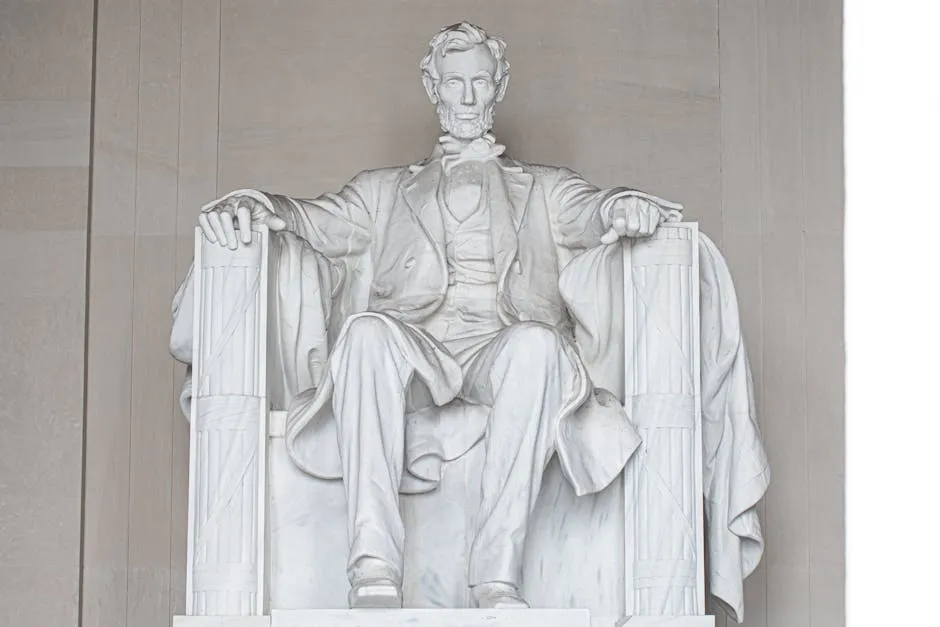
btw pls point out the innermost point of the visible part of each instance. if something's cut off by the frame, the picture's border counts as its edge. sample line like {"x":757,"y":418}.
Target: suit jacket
{"x":384,"y":232}
{"x":386,"y":227}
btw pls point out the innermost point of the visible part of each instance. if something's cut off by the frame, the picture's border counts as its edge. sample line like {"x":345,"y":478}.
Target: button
{"x":409,"y":263}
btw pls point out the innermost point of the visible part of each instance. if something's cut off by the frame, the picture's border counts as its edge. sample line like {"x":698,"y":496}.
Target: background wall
{"x":732,"y":107}
{"x":45,"y":120}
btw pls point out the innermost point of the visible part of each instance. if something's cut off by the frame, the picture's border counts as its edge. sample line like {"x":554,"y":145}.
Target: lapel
{"x":508,"y":185}
{"x":420,"y":192}
{"x":508,"y":188}
{"x":518,"y":186}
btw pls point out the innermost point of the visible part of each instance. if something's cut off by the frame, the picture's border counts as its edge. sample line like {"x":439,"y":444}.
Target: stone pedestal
{"x":431,"y":618}
{"x":665,"y":621}
{"x":439,"y":618}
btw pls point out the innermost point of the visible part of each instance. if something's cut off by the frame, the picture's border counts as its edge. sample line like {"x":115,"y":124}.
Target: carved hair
{"x":458,"y":38}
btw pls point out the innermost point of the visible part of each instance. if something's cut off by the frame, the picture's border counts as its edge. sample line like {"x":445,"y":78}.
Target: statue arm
{"x":586,"y":216}
{"x":582,"y":210}
{"x":334,"y":224}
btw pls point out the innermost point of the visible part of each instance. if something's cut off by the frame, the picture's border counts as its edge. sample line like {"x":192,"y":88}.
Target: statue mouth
{"x":467,"y":116}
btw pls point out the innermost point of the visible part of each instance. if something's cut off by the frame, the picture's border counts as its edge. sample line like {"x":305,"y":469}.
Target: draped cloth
{"x":736,"y":474}
{"x":736,"y":470}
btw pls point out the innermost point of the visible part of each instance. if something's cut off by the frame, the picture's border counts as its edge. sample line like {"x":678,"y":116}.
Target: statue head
{"x":465,"y":74}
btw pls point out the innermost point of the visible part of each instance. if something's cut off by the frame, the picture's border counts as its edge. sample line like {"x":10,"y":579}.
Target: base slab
{"x":667,"y":621}
{"x":439,"y":618}
{"x":221,"y":621}
{"x":431,"y":618}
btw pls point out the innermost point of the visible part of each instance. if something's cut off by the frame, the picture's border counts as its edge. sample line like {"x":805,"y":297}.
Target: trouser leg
{"x":526,"y":376}
{"x":370,"y":376}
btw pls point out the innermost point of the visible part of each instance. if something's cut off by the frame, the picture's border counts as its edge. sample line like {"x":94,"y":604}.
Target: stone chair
{"x":265,"y":538}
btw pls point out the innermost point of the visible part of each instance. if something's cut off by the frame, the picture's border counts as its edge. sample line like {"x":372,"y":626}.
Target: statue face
{"x":466,"y":92}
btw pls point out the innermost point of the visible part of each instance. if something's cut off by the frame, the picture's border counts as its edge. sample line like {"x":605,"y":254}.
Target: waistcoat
{"x":469,"y":308}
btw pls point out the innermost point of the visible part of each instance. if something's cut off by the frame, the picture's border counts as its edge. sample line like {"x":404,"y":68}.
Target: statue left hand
{"x":633,"y":216}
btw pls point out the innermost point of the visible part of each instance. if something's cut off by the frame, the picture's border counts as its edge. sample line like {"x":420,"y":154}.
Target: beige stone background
{"x":733,"y":107}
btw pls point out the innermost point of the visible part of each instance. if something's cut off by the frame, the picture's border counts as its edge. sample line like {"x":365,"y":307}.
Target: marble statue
{"x":457,"y":305}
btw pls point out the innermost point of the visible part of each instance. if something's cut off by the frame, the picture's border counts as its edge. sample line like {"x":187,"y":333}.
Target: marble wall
{"x":45,"y":121}
{"x":732,"y":107}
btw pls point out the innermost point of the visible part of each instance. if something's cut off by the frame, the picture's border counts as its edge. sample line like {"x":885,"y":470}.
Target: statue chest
{"x":461,"y":192}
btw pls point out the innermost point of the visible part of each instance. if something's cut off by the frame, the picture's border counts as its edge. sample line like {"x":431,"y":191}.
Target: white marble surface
{"x":226,"y":535}
{"x":667,"y":621}
{"x":422,"y":312}
{"x":308,"y":547}
{"x":439,"y":618}
{"x":307,"y":530}
{"x":431,"y":618}
{"x":221,"y":621}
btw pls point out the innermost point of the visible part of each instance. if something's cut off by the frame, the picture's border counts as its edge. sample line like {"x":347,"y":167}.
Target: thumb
{"x":610,"y":237}
{"x":275,"y":223}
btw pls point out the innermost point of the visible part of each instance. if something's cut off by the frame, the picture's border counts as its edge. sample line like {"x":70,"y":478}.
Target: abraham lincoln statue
{"x":451,"y":275}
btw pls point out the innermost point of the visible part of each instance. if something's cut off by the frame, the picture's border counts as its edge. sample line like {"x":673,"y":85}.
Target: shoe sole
{"x":375,"y":596}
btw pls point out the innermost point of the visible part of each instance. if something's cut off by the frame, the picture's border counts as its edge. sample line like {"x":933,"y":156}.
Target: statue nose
{"x":469,"y":97}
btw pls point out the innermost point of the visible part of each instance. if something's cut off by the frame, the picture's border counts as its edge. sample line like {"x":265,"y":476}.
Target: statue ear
{"x":501,"y":88}
{"x":429,"y":87}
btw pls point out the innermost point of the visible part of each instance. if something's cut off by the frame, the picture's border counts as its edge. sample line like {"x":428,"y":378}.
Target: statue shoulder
{"x":537,"y":170}
{"x":389,"y":172}
{"x":381,"y":176}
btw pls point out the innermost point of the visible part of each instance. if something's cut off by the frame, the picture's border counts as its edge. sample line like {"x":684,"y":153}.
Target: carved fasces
{"x":663,"y":484}
{"x":226,"y":495}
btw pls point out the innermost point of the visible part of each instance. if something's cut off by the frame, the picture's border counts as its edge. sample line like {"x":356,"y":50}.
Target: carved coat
{"x":389,"y":222}
{"x":384,"y":232}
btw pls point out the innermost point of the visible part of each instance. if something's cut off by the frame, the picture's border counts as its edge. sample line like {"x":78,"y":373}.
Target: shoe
{"x":497,"y":595}
{"x":375,"y":585}
{"x":380,"y":593}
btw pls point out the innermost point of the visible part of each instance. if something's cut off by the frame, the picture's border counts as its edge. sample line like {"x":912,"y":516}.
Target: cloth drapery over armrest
{"x":736,"y":470}
{"x":300,"y":302}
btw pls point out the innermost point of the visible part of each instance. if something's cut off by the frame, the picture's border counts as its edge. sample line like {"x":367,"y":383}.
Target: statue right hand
{"x":220,"y":220}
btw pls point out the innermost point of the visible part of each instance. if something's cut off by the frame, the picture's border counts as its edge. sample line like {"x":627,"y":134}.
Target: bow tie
{"x":479,"y":150}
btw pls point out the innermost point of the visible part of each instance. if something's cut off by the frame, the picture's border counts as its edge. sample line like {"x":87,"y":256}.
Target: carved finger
{"x":217,"y":228}
{"x":244,"y":223}
{"x":653,"y":216}
{"x":656,"y":218}
{"x":644,"y":217}
{"x":229,"y":227}
{"x":633,"y":224}
{"x":206,"y":227}
{"x":619,"y":225}
{"x":659,"y":216}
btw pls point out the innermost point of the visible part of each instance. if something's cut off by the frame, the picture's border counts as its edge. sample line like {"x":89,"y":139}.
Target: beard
{"x":465,"y":129}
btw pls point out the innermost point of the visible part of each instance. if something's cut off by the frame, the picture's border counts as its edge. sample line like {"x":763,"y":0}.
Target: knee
{"x":537,"y":340}
{"x":367,"y":331}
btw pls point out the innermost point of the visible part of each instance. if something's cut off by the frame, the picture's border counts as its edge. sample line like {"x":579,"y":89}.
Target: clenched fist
{"x":636,"y":216}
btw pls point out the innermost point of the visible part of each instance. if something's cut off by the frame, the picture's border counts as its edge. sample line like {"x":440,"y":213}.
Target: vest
{"x":468,"y":316}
